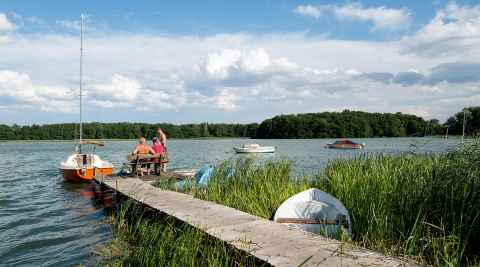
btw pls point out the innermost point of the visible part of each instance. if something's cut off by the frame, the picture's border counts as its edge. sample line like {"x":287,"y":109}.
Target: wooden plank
{"x":133,"y":157}
{"x":275,"y":243}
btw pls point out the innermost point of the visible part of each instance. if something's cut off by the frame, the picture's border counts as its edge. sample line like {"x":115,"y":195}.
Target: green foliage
{"x":311,"y":125}
{"x":124,"y":130}
{"x":472,"y":122}
{"x":142,"y":239}
{"x":424,"y":206}
{"x":420,"y":205}
{"x":256,"y":188}
{"x":346,"y":124}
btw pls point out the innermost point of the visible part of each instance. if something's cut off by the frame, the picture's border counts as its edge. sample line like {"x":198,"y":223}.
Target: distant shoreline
{"x":240,"y":138}
{"x":117,"y":139}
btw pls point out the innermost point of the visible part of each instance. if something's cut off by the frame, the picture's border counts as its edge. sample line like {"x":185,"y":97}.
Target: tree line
{"x":124,"y":130}
{"x":310,"y":125}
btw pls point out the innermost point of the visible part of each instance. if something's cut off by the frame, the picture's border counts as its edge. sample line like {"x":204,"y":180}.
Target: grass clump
{"x":258,"y":188}
{"x":142,"y":239}
{"x":423,"y":206}
{"x":427,"y":206}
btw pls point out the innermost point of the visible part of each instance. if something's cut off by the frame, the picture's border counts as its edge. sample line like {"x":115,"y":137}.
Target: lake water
{"x":45,"y":221}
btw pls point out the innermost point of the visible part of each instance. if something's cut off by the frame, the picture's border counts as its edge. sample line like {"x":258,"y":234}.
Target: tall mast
{"x":81,"y":80}
{"x":463,"y":125}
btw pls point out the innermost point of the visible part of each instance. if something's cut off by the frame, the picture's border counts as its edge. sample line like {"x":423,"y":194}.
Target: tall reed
{"x":258,"y":188}
{"x":149,"y":239}
{"x":427,"y":206}
{"x":423,"y":206}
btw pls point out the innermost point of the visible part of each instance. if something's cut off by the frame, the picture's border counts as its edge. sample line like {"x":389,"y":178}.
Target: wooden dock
{"x":268,"y":241}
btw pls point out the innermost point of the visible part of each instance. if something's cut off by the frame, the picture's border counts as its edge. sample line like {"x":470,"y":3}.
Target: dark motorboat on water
{"x":345,"y":144}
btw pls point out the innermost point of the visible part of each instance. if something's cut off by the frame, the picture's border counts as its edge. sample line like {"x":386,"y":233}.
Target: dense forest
{"x":124,"y":130}
{"x":311,"y":125}
{"x":346,"y":124}
{"x":472,"y":122}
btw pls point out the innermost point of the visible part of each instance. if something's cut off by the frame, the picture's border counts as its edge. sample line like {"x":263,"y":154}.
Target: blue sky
{"x":210,"y":17}
{"x":242,"y":61}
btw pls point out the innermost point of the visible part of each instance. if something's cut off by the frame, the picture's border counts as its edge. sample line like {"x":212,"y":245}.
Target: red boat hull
{"x":345,"y":146}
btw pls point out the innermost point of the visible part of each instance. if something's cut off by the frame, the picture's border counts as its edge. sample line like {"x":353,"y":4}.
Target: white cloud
{"x":453,"y":33}
{"x":225,"y":100}
{"x":382,"y":18}
{"x":5,"y":24}
{"x":240,"y":67}
{"x":18,"y":90}
{"x":252,"y":76}
{"x":120,"y":88}
{"x":308,"y":10}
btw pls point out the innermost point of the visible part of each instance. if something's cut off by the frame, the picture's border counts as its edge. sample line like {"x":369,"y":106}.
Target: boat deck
{"x":268,"y":241}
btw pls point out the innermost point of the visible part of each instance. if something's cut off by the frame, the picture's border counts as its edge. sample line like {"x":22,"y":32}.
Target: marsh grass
{"x":426,"y":206}
{"x":147,"y":239}
{"x":255,"y":188}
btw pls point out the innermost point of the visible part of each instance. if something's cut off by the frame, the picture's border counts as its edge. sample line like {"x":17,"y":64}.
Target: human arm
{"x":135,"y":150}
{"x":163,"y":137}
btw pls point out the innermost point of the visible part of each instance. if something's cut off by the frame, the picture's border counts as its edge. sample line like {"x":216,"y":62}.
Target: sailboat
{"x":80,"y":166}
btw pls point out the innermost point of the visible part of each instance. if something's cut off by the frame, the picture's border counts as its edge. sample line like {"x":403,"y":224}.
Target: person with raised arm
{"x":160,"y":147}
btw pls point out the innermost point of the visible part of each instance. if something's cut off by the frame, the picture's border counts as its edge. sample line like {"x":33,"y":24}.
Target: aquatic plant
{"x":255,"y":187}
{"x":143,"y":238}
{"x":427,"y":206}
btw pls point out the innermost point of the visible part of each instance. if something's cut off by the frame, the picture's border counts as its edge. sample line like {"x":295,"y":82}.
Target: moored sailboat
{"x":254,"y":148}
{"x":82,"y":167}
{"x":345,"y":144}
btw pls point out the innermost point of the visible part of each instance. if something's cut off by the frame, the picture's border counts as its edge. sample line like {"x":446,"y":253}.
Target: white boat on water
{"x":315,"y":211}
{"x":254,"y":148}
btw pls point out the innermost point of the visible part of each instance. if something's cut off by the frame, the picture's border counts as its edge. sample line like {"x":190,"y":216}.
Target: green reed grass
{"x":427,"y":206}
{"x":254,"y":187}
{"x":152,"y":240}
{"x":422,"y":206}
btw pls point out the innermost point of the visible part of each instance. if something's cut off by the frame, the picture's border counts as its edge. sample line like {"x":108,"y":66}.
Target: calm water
{"x":45,"y":221}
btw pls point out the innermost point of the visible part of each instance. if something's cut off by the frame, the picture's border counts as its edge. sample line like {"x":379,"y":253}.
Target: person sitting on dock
{"x":157,"y":147}
{"x":142,"y":147}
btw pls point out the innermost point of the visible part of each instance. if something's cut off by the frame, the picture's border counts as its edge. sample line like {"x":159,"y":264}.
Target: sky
{"x":236,"y":61}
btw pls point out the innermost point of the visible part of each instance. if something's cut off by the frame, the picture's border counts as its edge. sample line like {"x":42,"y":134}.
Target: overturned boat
{"x":315,"y":211}
{"x":345,"y":144}
{"x":254,"y":148}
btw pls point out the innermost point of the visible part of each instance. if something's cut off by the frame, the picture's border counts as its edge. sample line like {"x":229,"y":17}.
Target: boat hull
{"x":333,"y":146}
{"x":255,"y":150}
{"x":84,"y":175}
{"x":315,"y":211}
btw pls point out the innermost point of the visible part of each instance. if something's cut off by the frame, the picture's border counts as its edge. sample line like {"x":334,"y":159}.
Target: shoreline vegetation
{"x":345,"y":124}
{"x":421,"y":206}
{"x":223,"y":138}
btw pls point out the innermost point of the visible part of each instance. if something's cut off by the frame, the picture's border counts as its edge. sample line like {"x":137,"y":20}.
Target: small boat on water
{"x":345,"y":144}
{"x":82,"y":167}
{"x":254,"y":148}
{"x":315,"y":211}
